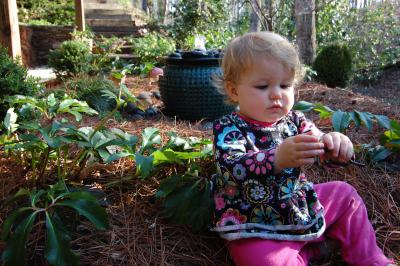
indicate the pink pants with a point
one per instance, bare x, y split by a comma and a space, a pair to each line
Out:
346, 221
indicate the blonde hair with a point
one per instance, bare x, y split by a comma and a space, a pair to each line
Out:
243, 51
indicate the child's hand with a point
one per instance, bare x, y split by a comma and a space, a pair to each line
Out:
338, 147
297, 151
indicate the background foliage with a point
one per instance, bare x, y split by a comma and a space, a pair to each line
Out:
46, 12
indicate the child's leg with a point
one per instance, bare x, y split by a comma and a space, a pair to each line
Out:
263, 252
347, 221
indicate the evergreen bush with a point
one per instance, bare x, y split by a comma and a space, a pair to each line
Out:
13, 80
70, 59
90, 89
334, 65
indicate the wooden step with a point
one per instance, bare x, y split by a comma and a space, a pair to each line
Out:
110, 23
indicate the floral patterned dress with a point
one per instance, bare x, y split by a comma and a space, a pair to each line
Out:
250, 200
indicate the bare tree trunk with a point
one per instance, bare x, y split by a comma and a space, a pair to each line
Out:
269, 14
145, 6
155, 9
305, 30
166, 11
255, 17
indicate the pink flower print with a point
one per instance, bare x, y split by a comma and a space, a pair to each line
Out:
231, 191
302, 177
219, 202
217, 126
231, 217
264, 139
283, 205
260, 162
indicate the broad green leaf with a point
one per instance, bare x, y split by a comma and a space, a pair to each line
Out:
10, 120
355, 118
381, 154
340, 121
90, 209
365, 118
35, 196
144, 164
150, 136
167, 156
58, 250
189, 155
177, 204
203, 206
303, 106
383, 121
65, 104
176, 141
324, 111
77, 115
10, 221
15, 250
395, 125
168, 185
114, 156
51, 100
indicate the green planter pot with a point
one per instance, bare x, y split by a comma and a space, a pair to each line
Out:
186, 88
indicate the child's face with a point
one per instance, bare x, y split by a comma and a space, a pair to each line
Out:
265, 91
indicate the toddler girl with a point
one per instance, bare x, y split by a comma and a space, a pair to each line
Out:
265, 207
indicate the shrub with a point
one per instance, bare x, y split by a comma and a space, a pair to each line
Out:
70, 59
90, 89
334, 65
152, 47
13, 80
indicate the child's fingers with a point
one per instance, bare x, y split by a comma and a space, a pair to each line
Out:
328, 141
310, 153
305, 138
306, 146
306, 161
350, 151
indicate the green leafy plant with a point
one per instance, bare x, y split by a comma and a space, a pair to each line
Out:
70, 59
46, 206
193, 17
341, 121
90, 89
14, 80
333, 65
370, 32
152, 48
46, 12
188, 200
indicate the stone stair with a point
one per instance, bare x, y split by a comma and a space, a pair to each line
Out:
110, 18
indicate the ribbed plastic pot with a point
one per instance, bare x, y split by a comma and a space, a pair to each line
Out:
186, 88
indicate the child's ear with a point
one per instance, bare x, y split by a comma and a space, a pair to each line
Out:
231, 90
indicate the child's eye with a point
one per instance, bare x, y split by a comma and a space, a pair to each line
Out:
262, 87
285, 86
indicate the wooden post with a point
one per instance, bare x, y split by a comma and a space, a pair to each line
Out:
79, 15
9, 27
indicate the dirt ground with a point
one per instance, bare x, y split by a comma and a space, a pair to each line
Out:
140, 234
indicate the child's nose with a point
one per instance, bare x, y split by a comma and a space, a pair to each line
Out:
275, 93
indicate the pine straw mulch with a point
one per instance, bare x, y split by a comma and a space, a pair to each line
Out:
139, 233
